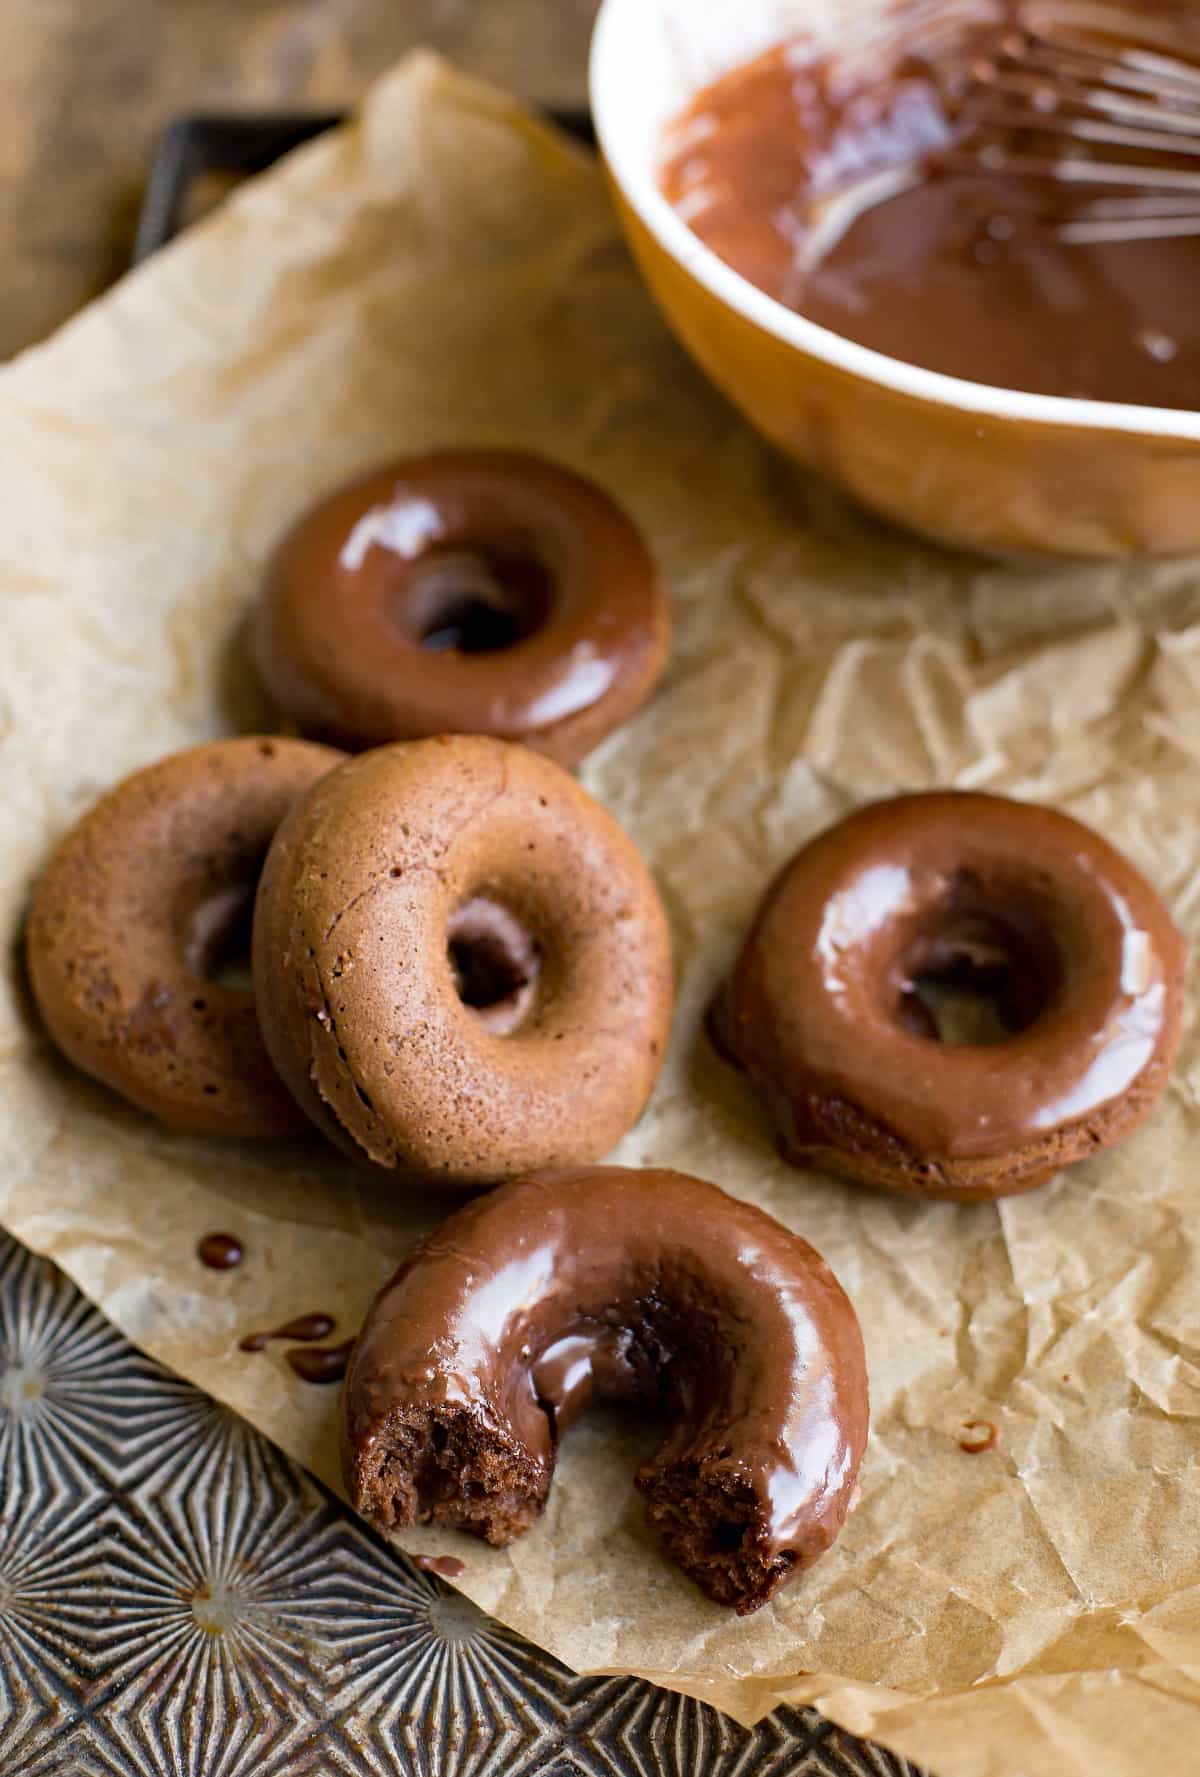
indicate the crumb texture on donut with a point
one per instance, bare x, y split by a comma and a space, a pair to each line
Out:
838, 1137
710, 1523
462, 965
647, 1288
129, 920
448, 1466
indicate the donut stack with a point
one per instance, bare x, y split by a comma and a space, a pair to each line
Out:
461, 966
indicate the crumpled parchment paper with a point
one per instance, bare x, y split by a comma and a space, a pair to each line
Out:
448, 270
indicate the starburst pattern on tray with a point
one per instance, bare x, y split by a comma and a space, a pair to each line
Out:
179, 1600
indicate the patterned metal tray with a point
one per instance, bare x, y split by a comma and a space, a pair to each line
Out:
177, 1599
223, 147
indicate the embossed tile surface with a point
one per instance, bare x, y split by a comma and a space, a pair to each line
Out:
179, 1600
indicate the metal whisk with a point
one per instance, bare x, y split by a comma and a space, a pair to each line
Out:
1102, 103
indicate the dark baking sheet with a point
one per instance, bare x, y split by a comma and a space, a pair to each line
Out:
178, 1599
216, 146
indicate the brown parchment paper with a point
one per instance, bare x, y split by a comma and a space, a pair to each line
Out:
448, 270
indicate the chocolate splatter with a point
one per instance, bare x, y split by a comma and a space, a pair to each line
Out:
986, 1438
305, 1326
447, 1567
320, 1363
220, 1252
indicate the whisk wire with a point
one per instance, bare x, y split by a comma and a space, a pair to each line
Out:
1060, 99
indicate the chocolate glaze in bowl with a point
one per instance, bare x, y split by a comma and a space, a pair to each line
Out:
966, 200
988, 467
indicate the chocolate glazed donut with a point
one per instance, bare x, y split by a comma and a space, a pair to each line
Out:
462, 966
605, 1283
471, 591
130, 921
824, 1008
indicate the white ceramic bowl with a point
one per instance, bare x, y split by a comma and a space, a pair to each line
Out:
995, 469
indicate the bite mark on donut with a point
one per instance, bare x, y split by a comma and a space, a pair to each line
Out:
708, 1519
647, 1289
448, 1467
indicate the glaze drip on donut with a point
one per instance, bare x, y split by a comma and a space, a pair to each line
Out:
600, 1283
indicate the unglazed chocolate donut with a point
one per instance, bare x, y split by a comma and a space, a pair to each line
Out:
601, 1282
471, 591
824, 1013
129, 921
462, 966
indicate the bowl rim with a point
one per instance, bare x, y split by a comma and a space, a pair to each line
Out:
639, 187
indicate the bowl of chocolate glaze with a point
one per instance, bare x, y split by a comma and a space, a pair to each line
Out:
946, 252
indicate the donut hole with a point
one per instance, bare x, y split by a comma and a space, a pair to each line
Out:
476, 600
977, 978
217, 945
494, 963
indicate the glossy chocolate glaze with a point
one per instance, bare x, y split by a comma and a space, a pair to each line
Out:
956, 263
608, 1283
819, 1001
485, 592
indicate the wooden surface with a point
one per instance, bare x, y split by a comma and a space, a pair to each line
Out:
86, 86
